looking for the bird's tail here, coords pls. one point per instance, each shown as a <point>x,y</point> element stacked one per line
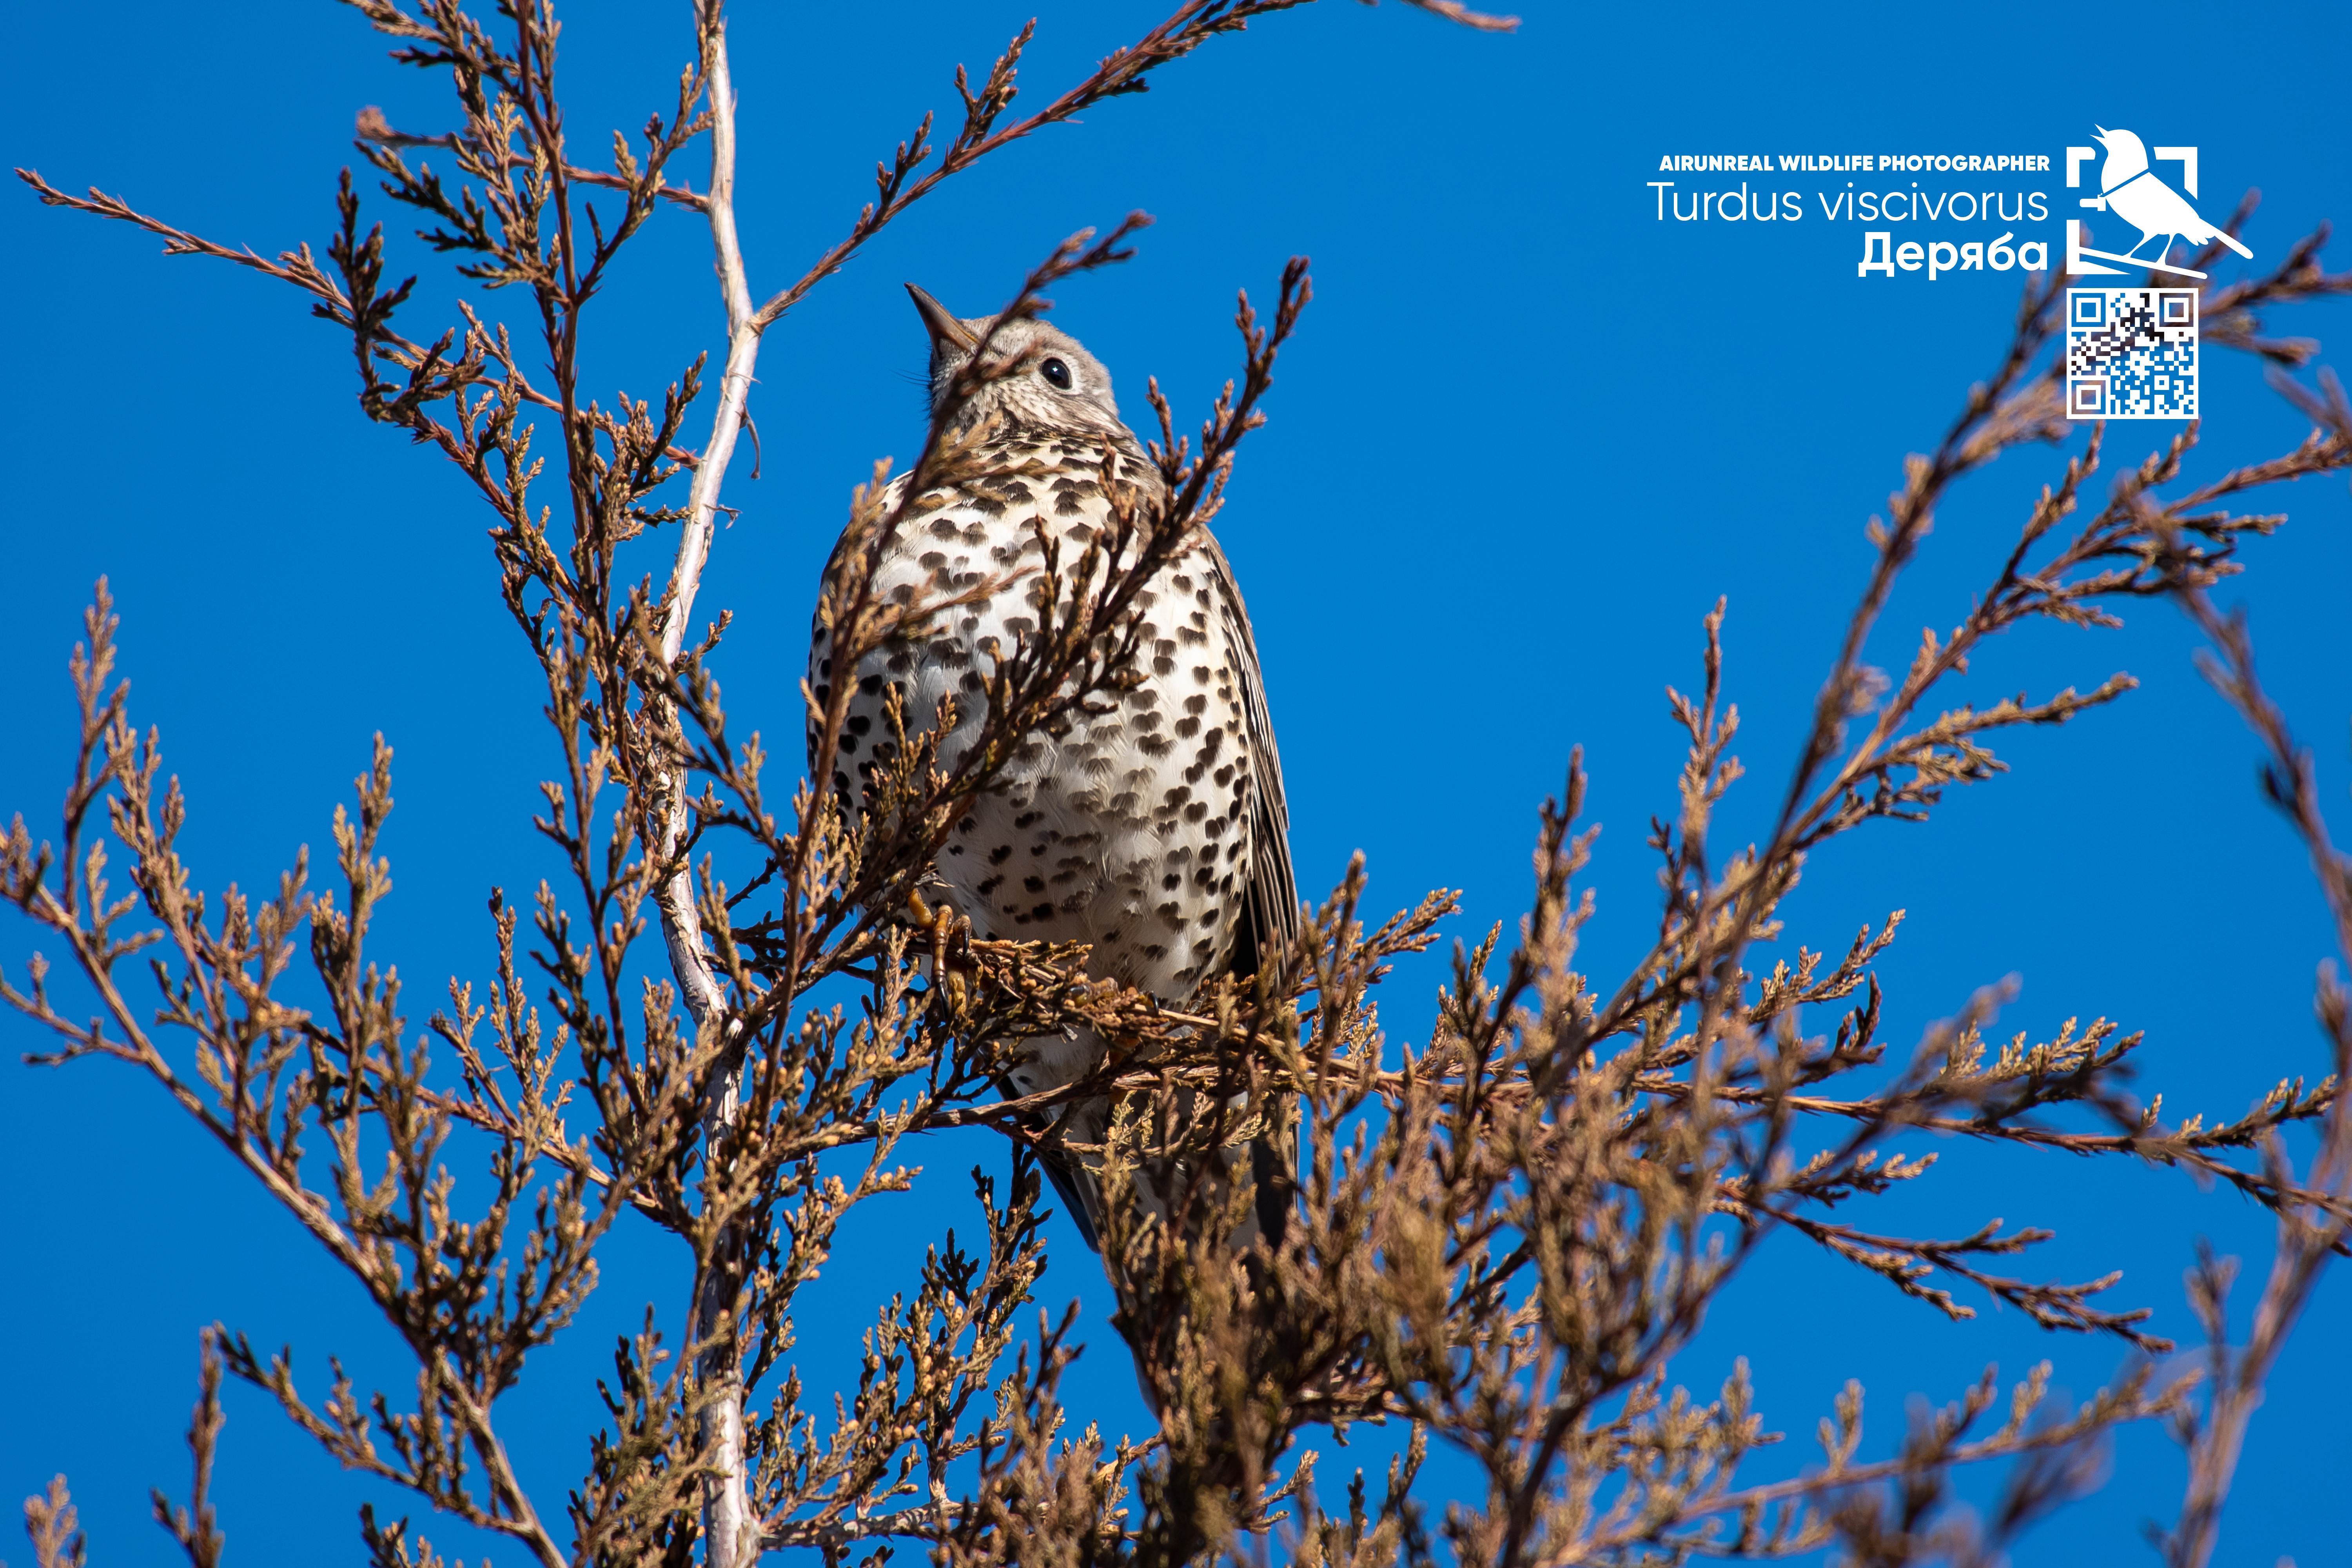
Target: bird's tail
<point>1080,1190</point>
<point>1152,1314</point>
<point>1269,1162</point>
<point>2231,241</point>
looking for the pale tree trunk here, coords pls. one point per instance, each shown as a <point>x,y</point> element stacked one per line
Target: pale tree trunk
<point>731,1533</point>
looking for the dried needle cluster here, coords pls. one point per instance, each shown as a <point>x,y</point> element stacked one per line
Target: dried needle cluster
<point>1503,1236</point>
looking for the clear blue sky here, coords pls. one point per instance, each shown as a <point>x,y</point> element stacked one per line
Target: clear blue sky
<point>1527,436</point>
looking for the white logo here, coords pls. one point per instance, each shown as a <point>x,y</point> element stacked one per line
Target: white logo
<point>2131,190</point>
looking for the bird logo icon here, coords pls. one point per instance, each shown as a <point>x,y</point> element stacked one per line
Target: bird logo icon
<point>2131,190</point>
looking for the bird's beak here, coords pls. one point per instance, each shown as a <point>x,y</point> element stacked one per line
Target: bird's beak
<point>948,334</point>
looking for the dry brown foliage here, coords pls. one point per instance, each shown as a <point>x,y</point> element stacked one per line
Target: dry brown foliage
<point>1504,1235</point>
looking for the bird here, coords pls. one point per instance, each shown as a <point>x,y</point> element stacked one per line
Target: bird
<point>1155,829</point>
<point>2128,189</point>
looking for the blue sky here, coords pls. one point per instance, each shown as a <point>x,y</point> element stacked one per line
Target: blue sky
<point>1527,435</point>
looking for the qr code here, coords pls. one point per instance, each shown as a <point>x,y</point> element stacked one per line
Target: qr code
<point>2131,354</point>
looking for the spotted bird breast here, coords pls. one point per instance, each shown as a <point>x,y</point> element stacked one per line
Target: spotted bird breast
<point>1133,831</point>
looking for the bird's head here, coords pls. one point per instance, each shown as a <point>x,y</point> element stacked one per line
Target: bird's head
<point>1052,383</point>
<point>2127,153</point>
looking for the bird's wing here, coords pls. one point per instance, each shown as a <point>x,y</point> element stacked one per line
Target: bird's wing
<point>1270,919</point>
<point>1270,912</point>
<point>2158,208</point>
<point>2166,206</point>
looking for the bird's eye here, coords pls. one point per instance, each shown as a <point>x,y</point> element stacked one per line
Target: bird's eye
<point>1057,374</point>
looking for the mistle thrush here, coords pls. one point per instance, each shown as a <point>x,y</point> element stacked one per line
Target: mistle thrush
<point>1155,831</point>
